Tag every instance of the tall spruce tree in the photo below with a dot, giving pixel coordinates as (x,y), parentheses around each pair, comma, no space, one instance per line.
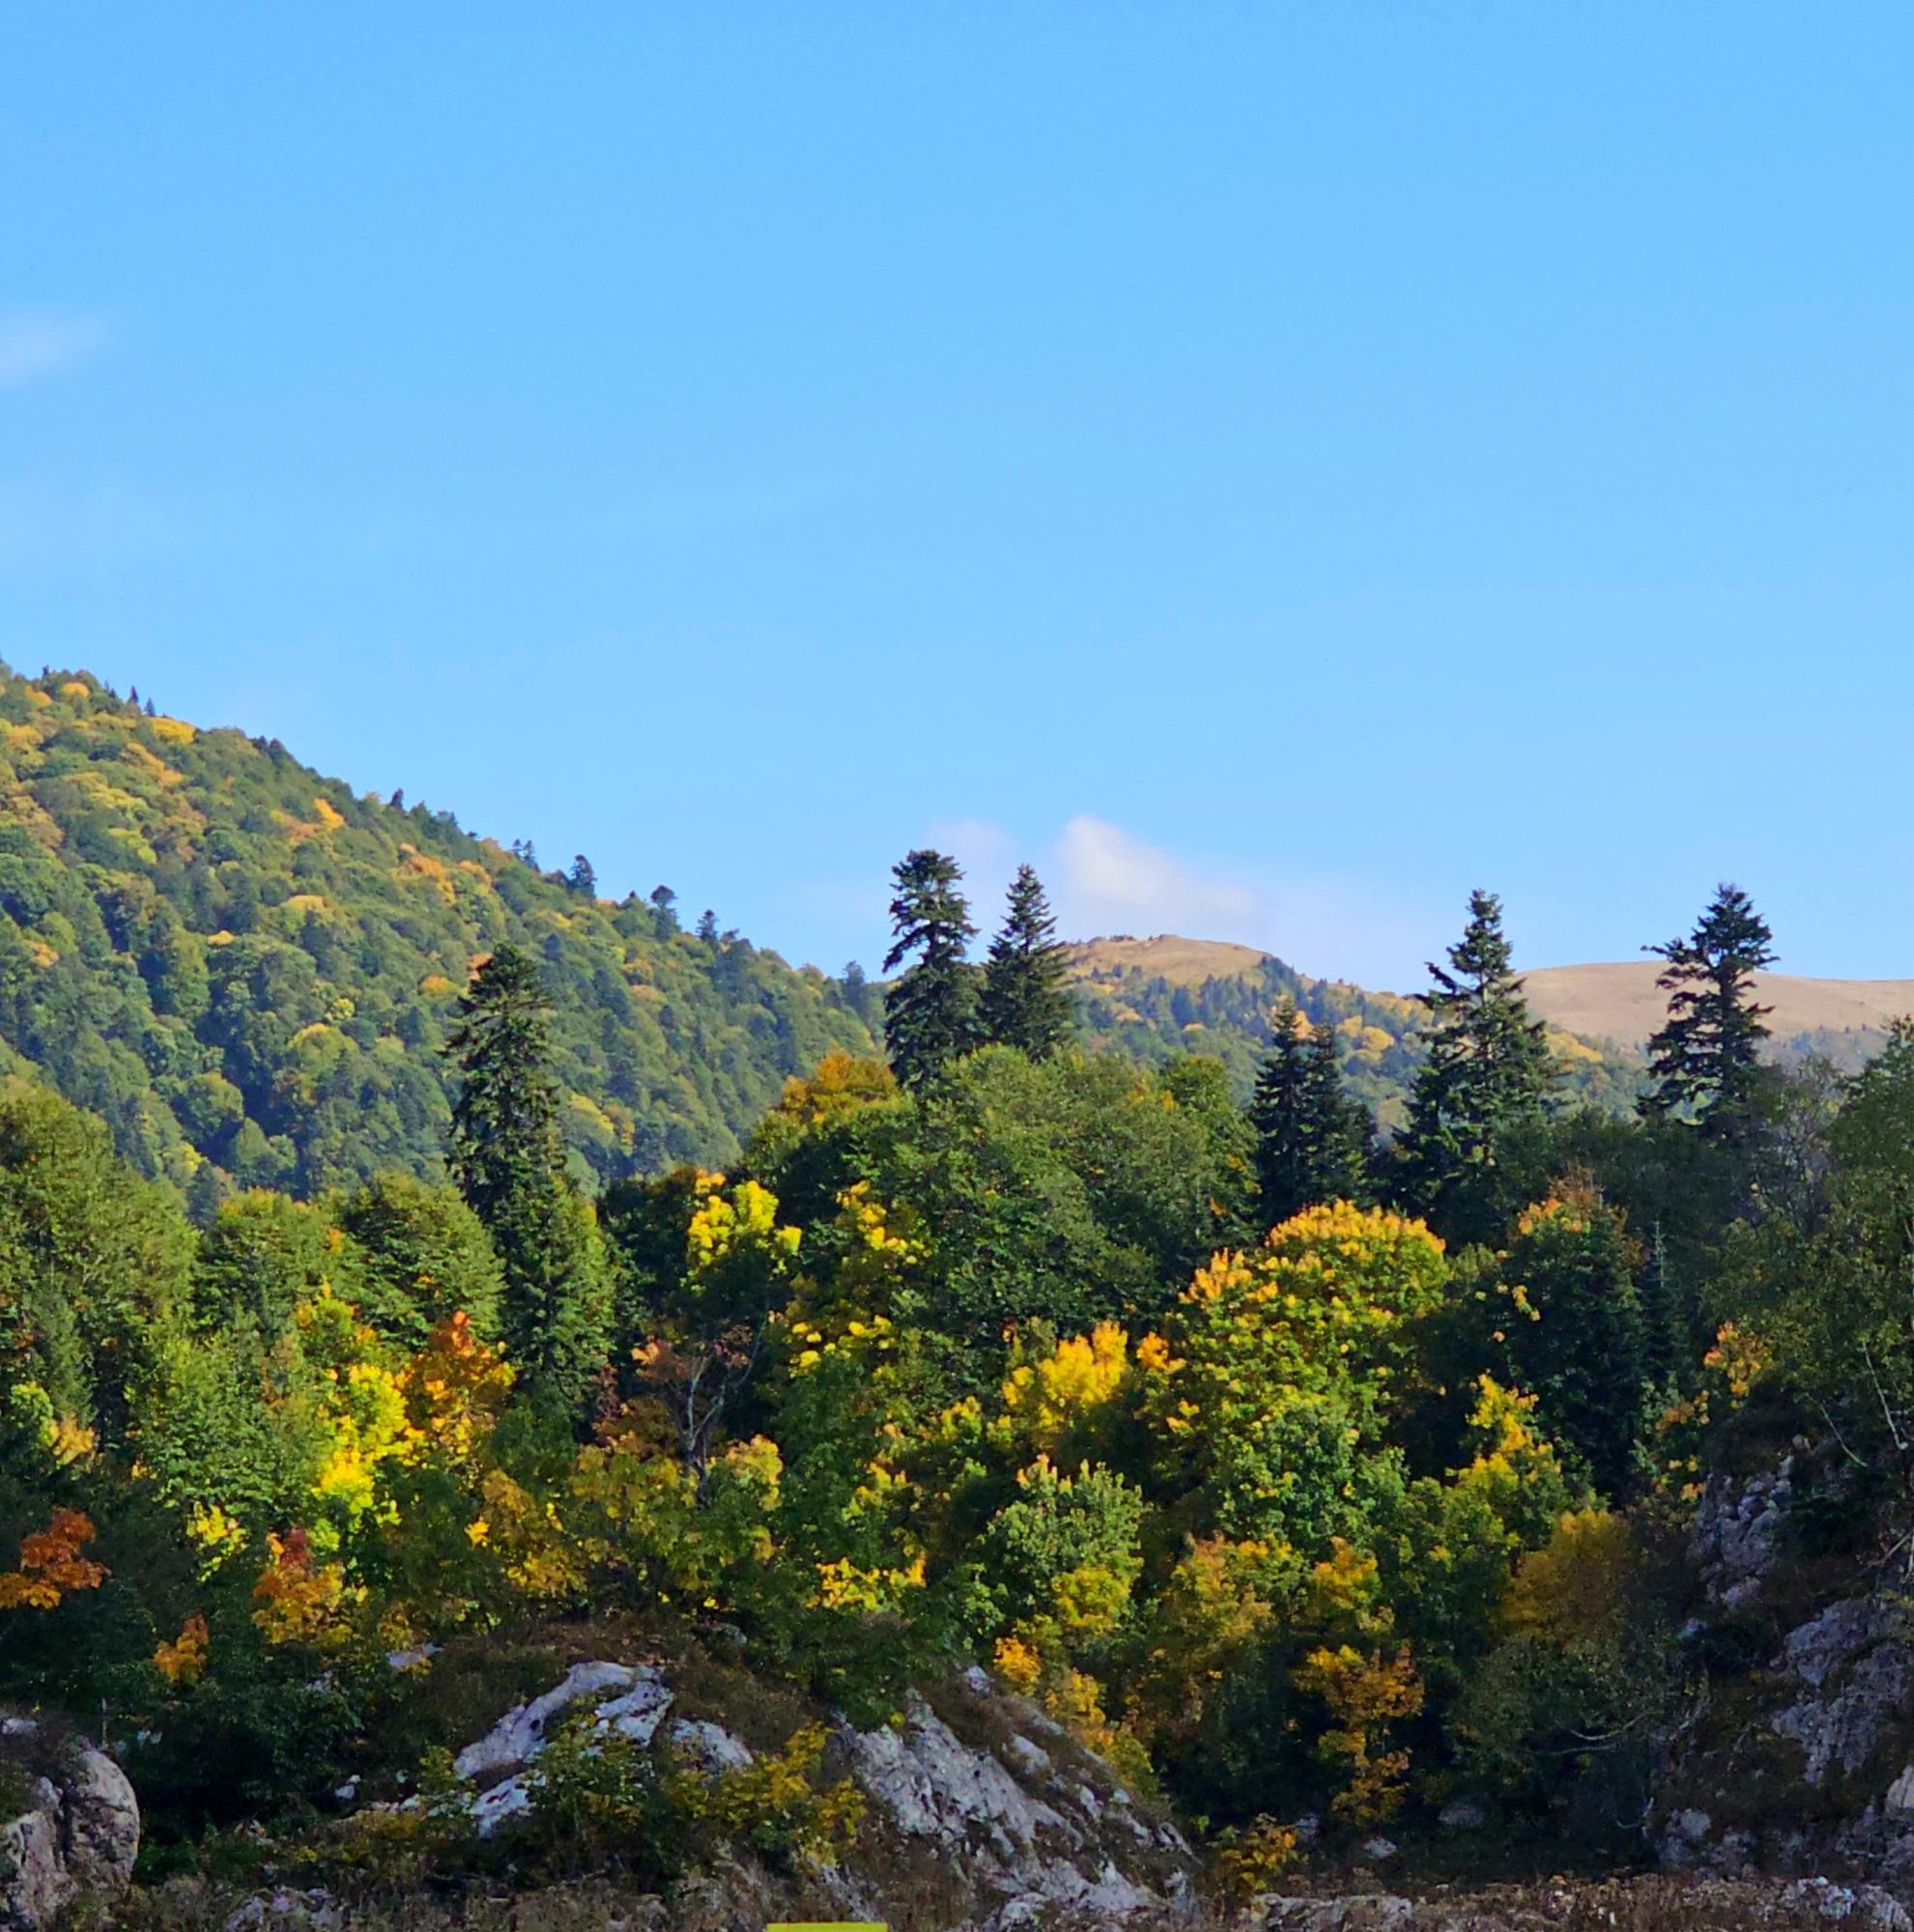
(1484,1086)
(930,1010)
(509,1165)
(1277,1111)
(1706,1058)
(1339,1123)
(1312,1137)
(1025,1003)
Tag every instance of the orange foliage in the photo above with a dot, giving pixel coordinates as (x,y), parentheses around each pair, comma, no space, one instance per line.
(298,1599)
(51,1566)
(182,1661)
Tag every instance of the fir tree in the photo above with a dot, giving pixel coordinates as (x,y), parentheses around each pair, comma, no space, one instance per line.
(1705,1059)
(1312,1138)
(1025,1002)
(1484,1085)
(1665,1350)
(930,1011)
(507,1161)
(1276,1112)
(1340,1126)
(856,987)
(583,879)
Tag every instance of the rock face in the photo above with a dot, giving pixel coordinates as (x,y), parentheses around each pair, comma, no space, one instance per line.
(78,1837)
(1011,1821)
(630,1699)
(1854,1673)
(1737,1528)
(1802,1759)
(1036,1832)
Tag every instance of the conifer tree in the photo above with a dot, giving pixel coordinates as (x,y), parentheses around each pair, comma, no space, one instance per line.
(508,1162)
(1706,1057)
(1312,1138)
(930,1012)
(1025,1002)
(1339,1123)
(1485,1082)
(1276,1112)
(1664,1339)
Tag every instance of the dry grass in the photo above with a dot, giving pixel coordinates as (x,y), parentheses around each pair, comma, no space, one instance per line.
(1621,1002)
(1616,1001)
(1182,962)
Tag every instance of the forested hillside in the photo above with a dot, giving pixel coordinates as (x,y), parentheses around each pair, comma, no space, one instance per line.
(1152,999)
(248,969)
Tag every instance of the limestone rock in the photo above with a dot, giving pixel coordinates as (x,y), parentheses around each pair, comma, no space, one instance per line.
(288,1910)
(1036,1846)
(709,1749)
(79,1836)
(519,1736)
(1856,1676)
(1738,1527)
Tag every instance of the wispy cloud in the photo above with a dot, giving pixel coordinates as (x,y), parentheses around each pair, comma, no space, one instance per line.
(37,343)
(1108,881)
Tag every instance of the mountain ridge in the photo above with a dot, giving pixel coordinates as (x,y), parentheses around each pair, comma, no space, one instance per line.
(247,968)
(1596,1000)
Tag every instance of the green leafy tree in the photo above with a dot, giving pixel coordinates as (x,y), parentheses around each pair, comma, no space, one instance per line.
(261,1254)
(94,1262)
(930,1012)
(1482,1089)
(1311,1137)
(506,1157)
(1580,1344)
(1025,1002)
(423,1256)
(1706,1058)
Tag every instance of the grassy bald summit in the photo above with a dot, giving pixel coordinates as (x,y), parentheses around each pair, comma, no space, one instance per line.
(247,969)
(1620,1001)
(1167,994)
(1152,998)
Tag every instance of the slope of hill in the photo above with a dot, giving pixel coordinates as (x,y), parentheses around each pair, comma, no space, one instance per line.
(1154,997)
(1620,1001)
(247,969)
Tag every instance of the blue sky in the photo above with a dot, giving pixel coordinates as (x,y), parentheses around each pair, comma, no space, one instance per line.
(1276,466)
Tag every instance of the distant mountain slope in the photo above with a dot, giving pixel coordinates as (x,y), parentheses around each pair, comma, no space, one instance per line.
(247,969)
(1154,997)
(1620,1001)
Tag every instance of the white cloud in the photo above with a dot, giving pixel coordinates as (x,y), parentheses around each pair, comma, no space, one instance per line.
(33,345)
(1110,882)
(1373,930)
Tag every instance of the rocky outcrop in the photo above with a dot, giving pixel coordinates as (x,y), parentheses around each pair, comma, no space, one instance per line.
(1738,1523)
(1039,1829)
(988,1799)
(78,1837)
(632,1700)
(1800,1758)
